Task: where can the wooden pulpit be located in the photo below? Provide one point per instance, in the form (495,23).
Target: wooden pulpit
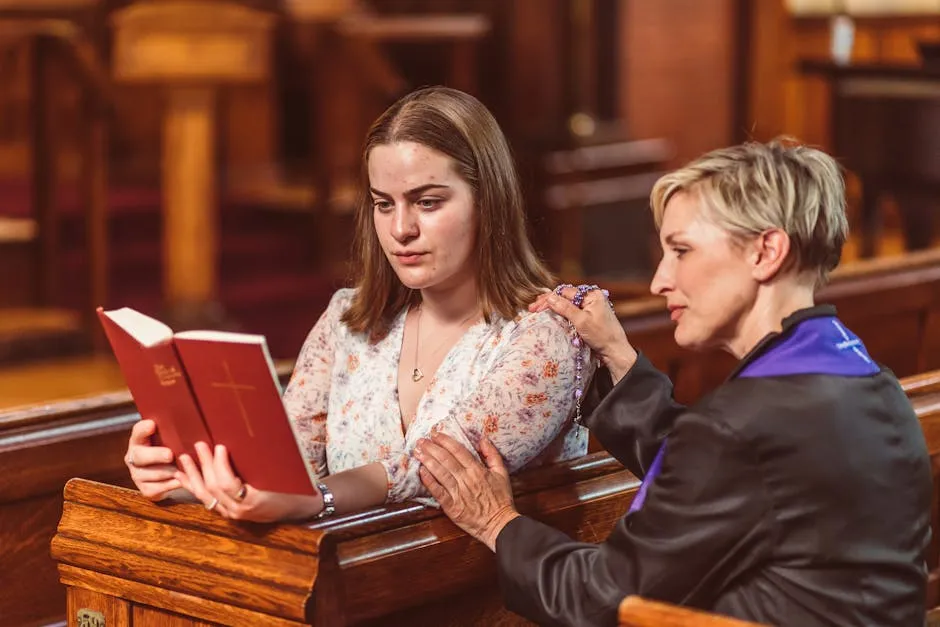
(192,48)
(126,561)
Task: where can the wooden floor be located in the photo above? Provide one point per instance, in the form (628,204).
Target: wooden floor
(47,382)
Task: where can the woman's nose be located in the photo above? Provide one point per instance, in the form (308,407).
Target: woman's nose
(662,280)
(404,225)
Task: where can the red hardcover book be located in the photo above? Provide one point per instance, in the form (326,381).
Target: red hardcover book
(210,386)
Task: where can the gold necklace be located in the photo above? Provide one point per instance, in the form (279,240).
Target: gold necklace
(416,374)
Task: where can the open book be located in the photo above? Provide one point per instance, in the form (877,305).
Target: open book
(210,386)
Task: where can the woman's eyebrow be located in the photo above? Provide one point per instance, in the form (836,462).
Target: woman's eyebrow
(417,191)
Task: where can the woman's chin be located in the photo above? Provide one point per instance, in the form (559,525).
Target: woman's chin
(413,280)
(688,339)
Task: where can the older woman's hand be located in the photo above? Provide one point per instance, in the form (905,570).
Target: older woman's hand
(597,324)
(477,499)
(215,484)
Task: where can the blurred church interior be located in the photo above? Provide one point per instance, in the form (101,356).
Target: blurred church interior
(199,160)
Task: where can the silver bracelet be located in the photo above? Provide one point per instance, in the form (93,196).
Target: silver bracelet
(329,503)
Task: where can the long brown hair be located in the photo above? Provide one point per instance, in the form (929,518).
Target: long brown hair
(509,273)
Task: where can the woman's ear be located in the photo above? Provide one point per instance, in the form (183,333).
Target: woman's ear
(769,252)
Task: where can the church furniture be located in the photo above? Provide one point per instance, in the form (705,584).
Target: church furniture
(126,560)
(636,611)
(595,199)
(891,303)
(62,37)
(41,448)
(924,392)
(884,121)
(192,49)
(122,557)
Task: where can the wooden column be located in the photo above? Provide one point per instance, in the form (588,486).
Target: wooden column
(193,49)
(190,213)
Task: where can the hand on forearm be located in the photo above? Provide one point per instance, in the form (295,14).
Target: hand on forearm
(477,499)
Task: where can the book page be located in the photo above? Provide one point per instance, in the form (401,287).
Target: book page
(146,330)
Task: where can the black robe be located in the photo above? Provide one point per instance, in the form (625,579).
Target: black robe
(789,500)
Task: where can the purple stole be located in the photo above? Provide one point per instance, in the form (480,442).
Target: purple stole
(814,346)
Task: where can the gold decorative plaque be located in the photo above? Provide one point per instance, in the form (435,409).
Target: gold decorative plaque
(90,618)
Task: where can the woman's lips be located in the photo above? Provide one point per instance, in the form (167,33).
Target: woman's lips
(409,259)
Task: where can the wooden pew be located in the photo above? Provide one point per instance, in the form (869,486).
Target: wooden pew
(924,392)
(42,447)
(123,557)
(126,559)
(639,612)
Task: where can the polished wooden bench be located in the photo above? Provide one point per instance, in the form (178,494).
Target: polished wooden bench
(890,303)
(128,561)
(639,612)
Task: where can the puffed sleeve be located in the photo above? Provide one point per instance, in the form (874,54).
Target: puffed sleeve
(307,396)
(521,404)
(706,519)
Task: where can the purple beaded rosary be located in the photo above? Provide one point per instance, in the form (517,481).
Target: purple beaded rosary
(578,301)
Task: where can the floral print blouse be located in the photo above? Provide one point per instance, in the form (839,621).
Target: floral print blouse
(512,380)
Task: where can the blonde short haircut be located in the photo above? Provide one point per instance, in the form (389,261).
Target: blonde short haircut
(753,187)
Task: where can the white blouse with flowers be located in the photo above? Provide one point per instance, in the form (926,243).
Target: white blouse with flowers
(512,380)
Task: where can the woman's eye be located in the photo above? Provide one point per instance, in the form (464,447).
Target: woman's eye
(429,203)
(680,251)
(381,205)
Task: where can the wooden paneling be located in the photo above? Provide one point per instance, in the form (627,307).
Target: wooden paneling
(108,611)
(678,59)
(29,590)
(782,101)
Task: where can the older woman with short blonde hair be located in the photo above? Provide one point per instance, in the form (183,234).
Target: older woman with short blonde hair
(797,493)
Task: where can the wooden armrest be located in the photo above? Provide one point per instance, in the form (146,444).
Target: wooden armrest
(639,612)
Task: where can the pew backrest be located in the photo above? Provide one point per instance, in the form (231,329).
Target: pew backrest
(639,612)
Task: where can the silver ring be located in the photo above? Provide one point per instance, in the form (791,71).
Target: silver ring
(211,506)
(130,459)
(242,491)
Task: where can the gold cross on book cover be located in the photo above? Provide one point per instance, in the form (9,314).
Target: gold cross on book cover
(231,396)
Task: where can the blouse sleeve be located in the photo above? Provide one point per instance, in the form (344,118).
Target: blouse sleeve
(307,396)
(521,404)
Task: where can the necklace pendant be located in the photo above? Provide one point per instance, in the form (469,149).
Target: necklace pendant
(417,375)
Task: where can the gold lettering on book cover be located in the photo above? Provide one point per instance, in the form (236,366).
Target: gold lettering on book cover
(167,375)
(230,384)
